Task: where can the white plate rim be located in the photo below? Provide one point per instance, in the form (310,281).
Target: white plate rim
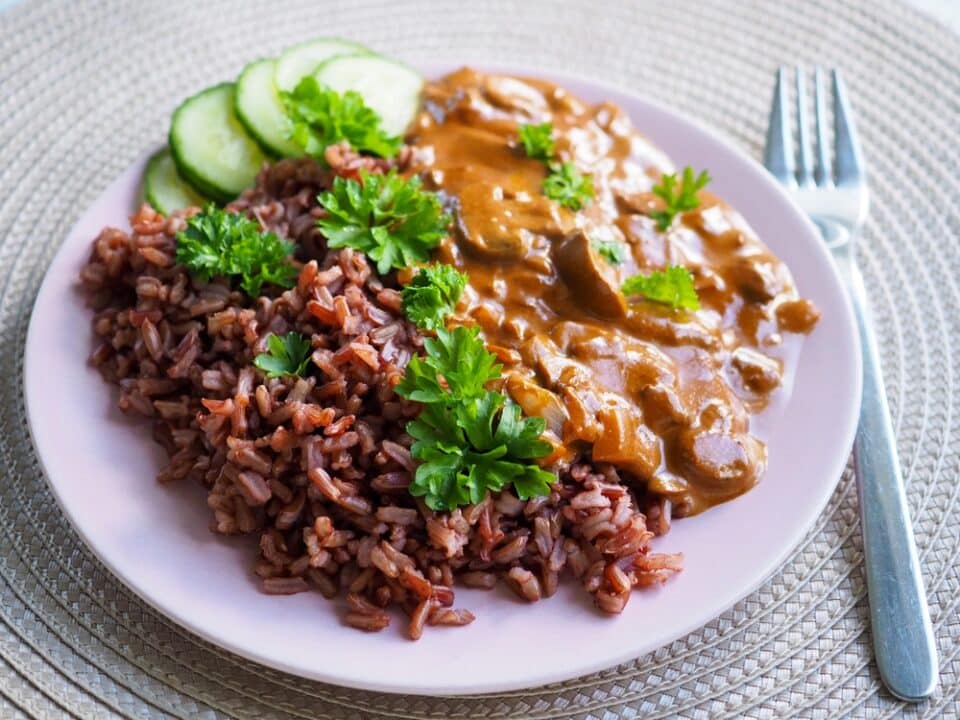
(847,368)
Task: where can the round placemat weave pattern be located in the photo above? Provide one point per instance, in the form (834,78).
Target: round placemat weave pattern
(86,87)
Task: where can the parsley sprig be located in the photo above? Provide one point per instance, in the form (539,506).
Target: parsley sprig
(568,186)
(469,440)
(610,250)
(537,141)
(220,243)
(673,287)
(287,355)
(678,198)
(565,184)
(388,217)
(320,116)
(432,295)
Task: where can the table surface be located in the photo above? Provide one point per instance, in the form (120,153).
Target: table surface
(946,11)
(87,86)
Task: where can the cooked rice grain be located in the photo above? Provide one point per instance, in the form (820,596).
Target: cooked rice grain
(318,467)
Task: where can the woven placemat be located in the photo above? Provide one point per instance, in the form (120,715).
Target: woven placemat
(86,87)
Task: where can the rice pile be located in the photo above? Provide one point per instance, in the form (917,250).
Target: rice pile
(318,467)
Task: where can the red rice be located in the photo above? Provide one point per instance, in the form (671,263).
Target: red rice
(319,467)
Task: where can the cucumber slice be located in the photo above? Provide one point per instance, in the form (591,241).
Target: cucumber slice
(300,60)
(260,110)
(210,147)
(389,87)
(164,189)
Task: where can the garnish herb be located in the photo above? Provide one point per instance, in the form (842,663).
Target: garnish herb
(678,198)
(567,186)
(287,355)
(564,184)
(537,141)
(469,440)
(610,250)
(460,358)
(388,217)
(320,117)
(220,243)
(673,287)
(432,295)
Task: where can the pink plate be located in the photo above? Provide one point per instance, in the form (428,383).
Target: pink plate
(101,468)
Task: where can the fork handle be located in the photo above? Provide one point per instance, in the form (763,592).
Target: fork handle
(903,639)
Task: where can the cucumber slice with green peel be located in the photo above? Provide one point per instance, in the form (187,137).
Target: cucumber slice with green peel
(164,189)
(300,60)
(260,110)
(212,150)
(390,88)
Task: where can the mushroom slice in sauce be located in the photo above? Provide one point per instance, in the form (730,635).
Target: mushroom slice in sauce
(664,396)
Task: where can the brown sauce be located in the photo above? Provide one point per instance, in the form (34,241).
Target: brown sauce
(666,396)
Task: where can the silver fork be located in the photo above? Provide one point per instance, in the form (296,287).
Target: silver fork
(836,198)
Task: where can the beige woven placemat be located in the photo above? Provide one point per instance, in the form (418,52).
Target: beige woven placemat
(85,87)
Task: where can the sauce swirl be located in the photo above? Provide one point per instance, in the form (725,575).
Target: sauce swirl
(665,396)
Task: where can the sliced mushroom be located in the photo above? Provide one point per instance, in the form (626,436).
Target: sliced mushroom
(625,441)
(582,405)
(662,408)
(498,224)
(662,327)
(719,465)
(553,367)
(755,277)
(760,373)
(798,315)
(512,94)
(536,400)
(623,365)
(592,280)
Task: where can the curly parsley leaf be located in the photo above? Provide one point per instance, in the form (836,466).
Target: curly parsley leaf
(455,471)
(678,198)
(457,356)
(288,355)
(320,117)
(521,435)
(432,295)
(673,287)
(388,217)
(534,481)
(460,356)
(567,186)
(440,477)
(220,243)
(421,382)
(467,439)
(537,141)
(610,250)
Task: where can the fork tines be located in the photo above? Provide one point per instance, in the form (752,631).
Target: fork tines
(797,167)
